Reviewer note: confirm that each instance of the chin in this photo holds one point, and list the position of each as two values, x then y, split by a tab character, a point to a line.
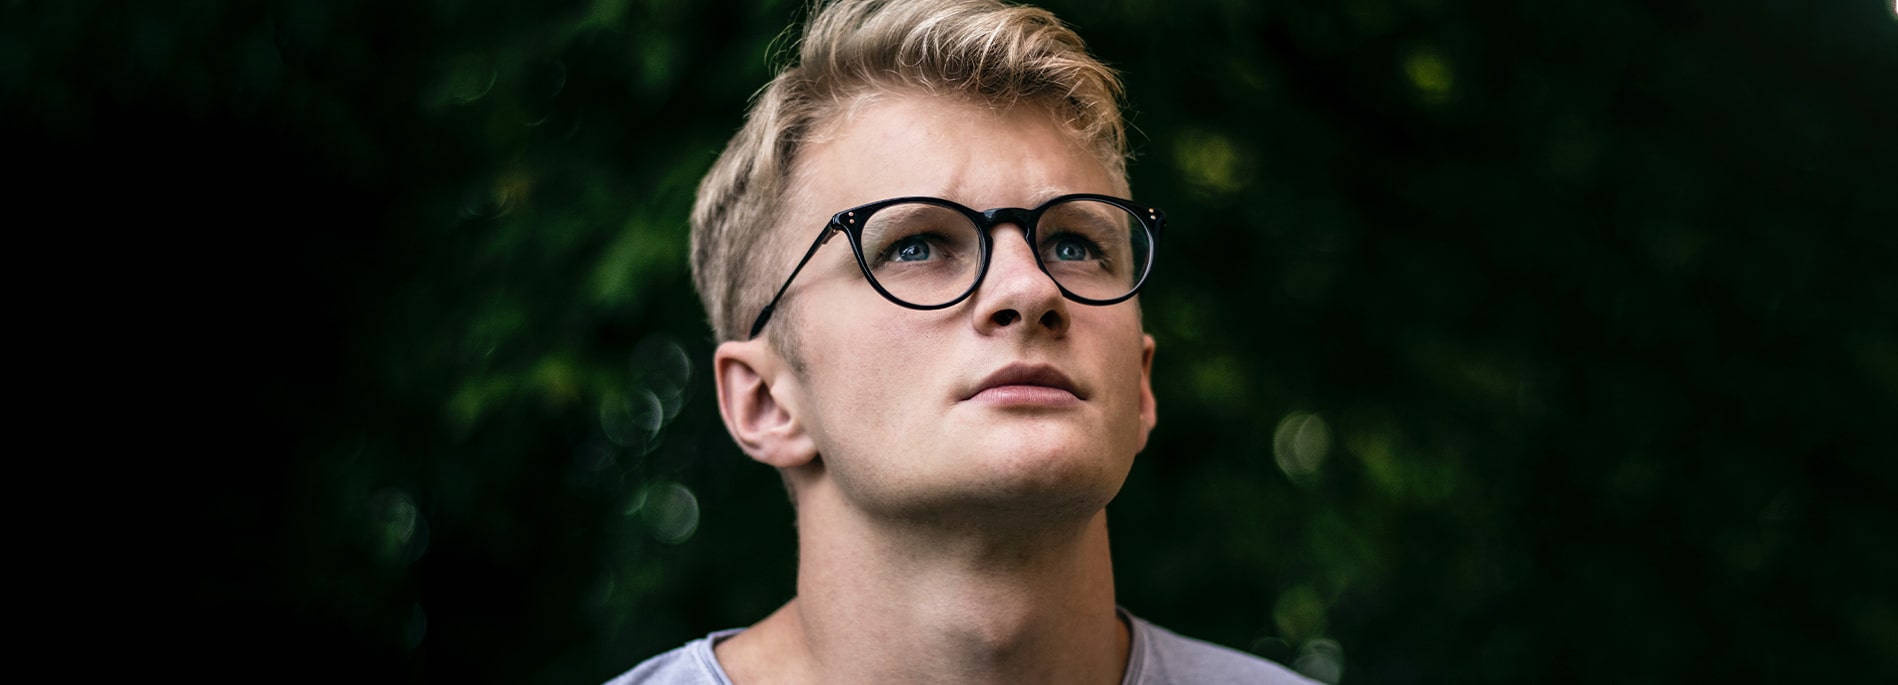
1058	480
1006	474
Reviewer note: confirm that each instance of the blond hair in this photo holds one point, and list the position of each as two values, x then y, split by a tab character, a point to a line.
991	52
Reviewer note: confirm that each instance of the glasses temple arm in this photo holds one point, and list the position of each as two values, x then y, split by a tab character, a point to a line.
765	314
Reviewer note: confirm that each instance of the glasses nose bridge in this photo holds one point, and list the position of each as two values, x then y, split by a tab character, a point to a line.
1023	218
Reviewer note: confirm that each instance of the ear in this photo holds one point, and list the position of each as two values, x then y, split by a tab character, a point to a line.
1149	413
757	398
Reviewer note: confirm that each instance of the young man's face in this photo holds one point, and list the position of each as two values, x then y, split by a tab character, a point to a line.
900	404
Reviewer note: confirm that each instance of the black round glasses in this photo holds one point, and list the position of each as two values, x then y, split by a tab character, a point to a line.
930	253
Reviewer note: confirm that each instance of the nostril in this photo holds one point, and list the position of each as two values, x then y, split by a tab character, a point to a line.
1051	320
1005	317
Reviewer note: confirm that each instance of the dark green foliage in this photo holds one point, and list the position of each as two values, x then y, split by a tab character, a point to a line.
1498	342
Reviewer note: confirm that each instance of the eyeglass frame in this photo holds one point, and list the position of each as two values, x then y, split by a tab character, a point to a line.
1152	220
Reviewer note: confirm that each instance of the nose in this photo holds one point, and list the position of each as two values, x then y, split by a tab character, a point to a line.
1016	294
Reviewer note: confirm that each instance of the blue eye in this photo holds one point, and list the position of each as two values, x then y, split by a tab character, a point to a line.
1070	249
913	249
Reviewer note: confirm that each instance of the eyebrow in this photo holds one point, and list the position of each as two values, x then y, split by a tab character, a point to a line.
1044	194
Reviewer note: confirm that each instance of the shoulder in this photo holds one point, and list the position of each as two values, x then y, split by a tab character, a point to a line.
1163	657
691	664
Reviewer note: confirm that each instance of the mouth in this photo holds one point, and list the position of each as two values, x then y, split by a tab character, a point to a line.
1026	379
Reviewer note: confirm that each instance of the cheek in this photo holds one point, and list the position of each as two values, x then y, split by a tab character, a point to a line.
877	381
1124	373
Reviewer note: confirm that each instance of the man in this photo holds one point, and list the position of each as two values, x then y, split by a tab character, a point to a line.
922	277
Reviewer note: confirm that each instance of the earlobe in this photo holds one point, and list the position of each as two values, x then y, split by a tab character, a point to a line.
755	401
1149	412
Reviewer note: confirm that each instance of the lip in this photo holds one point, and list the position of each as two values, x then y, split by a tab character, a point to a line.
1031	383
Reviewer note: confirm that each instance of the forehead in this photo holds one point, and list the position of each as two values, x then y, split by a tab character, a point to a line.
895	145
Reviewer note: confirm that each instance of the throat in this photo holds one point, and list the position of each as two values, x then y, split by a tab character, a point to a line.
961	611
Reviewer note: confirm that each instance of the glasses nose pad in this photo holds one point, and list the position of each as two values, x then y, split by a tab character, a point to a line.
1022	219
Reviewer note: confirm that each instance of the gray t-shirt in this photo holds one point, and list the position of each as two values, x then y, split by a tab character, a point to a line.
1157	657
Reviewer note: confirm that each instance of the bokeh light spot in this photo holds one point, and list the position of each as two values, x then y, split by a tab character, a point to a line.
632	421
557	379
1274	648
1300	613
1209	160
1377	450
470	79
488	199
1300	445
669	510
661	367
401	532
1218	380
1431	74
1321	660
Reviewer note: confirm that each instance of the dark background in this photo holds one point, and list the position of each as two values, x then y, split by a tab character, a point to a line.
1498	341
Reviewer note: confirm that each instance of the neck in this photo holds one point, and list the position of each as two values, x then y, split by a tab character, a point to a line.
920	602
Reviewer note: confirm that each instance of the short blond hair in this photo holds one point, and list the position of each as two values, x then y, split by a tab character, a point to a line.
991	52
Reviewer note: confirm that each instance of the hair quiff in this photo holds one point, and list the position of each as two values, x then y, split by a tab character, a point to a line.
985	50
